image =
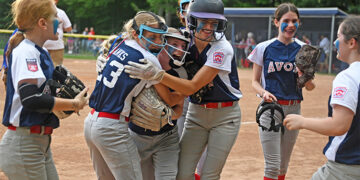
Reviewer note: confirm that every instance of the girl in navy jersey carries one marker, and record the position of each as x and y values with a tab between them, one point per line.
113	152
25	151
343	125
215	120
274	79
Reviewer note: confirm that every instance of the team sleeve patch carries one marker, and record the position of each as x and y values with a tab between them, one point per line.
339	92
218	57
32	65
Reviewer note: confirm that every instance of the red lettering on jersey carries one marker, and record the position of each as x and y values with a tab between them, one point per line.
288	66
339	92
218	57
271	67
32	65
279	65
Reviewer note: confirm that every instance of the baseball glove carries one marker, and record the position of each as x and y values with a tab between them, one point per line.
64	85
192	68
149	111
306	60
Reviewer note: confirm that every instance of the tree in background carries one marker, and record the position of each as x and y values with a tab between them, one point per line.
108	16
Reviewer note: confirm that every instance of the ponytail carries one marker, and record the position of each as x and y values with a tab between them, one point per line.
14	41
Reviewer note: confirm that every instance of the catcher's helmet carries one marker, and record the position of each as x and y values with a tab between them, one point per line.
207	9
181	35
273	111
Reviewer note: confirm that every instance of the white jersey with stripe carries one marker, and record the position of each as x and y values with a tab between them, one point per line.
345	92
219	55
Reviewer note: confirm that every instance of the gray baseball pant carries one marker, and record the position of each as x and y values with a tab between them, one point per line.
277	147
216	128
113	152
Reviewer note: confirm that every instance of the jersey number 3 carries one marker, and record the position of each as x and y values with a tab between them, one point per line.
113	74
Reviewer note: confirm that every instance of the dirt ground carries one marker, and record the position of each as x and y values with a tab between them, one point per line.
245	161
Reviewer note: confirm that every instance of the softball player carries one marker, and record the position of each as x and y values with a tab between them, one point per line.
343	127
159	151
182	13
216	121
113	152
25	151
274	78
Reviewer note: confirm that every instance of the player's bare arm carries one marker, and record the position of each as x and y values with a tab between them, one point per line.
187	87
266	95
336	125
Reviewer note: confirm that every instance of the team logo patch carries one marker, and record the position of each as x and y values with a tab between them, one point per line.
218	57
339	92
32	65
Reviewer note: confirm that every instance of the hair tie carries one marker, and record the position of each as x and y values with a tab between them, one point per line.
21	31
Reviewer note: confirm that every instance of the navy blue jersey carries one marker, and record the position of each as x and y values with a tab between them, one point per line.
178	72
114	88
279	72
345	149
219	55
27	61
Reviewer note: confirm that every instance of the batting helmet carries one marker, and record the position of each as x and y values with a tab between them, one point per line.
207	9
273	111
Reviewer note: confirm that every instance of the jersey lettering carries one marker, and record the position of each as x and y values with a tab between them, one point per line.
288	66
115	75
120	53
279	65
271	67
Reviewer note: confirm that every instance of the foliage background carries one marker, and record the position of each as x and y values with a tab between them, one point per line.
108	16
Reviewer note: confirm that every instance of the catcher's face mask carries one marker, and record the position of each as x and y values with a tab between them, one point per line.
270	116
176	48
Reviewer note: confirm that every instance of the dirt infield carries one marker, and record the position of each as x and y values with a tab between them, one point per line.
245	161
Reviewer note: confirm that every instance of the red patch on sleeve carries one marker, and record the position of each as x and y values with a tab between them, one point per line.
32	65
218	57
339	92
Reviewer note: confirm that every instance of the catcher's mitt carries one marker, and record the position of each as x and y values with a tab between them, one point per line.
306	60
192	68
64	85
149	111
273	111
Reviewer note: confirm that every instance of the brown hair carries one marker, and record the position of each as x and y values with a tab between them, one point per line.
285	8
178	13
26	14
141	17
350	28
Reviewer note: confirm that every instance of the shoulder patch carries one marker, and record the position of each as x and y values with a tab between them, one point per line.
339	92
32	65
218	57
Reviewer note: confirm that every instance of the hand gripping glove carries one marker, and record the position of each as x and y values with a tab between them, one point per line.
306	60
149	111
64	85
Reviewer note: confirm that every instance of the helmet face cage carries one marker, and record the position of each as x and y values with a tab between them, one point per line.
163	29
195	25
171	49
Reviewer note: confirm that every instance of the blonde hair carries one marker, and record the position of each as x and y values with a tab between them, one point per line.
142	17
26	14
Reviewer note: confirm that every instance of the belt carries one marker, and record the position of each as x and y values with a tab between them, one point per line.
37	129
109	115
288	102
217	105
